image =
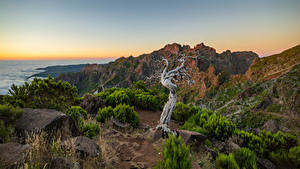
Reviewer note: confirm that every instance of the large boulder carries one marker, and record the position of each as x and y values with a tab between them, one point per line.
36	120
83	145
92	104
191	137
12	154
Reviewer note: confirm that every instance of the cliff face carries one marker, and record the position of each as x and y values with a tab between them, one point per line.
123	71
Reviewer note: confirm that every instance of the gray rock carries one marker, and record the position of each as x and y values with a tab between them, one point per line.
231	147
12	154
92	104
265	164
218	144
116	124
37	120
61	163
190	137
271	126
83	145
212	152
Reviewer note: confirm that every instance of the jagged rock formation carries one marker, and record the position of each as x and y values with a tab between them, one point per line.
123	71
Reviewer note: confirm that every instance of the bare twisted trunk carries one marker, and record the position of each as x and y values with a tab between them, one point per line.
166	80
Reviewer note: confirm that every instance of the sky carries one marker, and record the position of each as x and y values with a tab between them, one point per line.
83	29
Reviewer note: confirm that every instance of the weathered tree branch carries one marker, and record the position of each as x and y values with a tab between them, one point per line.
167	79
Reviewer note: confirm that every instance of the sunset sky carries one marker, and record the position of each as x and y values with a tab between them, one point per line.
83	29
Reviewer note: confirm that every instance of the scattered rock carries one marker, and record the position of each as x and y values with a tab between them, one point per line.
36	120
218	144
62	163
84	145
154	134
212	152
231	147
191	137
265	164
12	154
116	124
271	126
92	103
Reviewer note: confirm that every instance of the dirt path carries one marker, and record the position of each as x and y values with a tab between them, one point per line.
134	149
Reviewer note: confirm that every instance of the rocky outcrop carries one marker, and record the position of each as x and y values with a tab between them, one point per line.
83	145
123	71
62	163
92	104
36	120
12	154
190	137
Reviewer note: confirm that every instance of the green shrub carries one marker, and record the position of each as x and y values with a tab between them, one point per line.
176	155
118	97
145	101
226	162
43	93
139	96
214	124
104	114
126	114
8	117
294	155
139	85
223	77
279	156
77	114
245	158
181	112
277	141
90	130
252	142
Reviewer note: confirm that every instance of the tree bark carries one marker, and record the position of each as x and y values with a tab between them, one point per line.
166	80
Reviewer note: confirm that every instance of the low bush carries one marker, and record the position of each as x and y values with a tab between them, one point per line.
104	114
77	114
181	112
90	130
252	141
277	141
118	97
43	93
175	154
213	124
139	96
146	101
226	162
245	158
294	155
8	117
126	114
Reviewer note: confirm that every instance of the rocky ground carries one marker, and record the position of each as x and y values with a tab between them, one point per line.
116	146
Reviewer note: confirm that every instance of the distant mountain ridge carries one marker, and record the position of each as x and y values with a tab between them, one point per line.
122	72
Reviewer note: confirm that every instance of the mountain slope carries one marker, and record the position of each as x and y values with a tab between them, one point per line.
275	65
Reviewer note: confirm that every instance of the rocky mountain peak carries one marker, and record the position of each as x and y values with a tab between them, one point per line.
173	48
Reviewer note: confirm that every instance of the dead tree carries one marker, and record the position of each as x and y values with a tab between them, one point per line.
168	79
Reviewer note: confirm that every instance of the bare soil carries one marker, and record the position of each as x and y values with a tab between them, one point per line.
134	149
